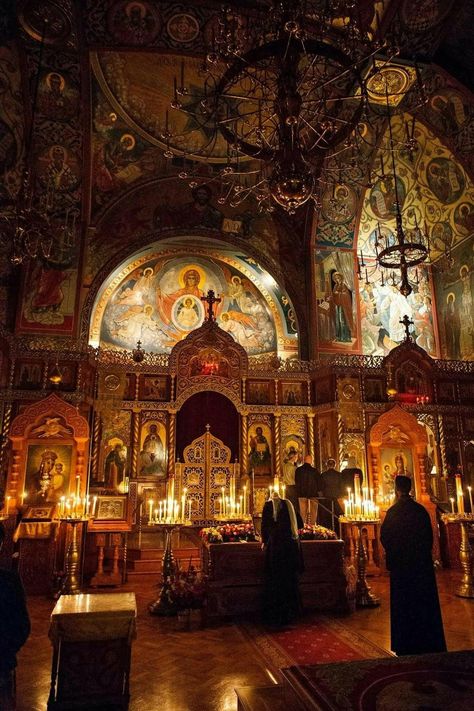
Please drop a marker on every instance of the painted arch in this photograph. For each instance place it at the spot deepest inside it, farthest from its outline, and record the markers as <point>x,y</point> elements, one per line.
<point>155,297</point>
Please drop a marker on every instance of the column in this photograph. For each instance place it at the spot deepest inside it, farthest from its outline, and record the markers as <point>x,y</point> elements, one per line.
<point>311,447</point>
<point>244,452</point>
<point>277,445</point>
<point>171,443</point>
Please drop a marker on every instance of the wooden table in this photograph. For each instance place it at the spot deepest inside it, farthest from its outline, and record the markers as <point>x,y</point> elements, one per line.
<point>92,638</point>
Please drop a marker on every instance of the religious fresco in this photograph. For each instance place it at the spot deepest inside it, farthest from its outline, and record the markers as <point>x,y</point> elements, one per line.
<point>437,194</point>
<point>157,299</point>
<point>153,450</point>
<point>48,473</point>
<point>120,156</point>
<point>142,96</point>
<point>454,288</point>
<point>260,451</point>
<point>167,206</point>
<point>434,190</point>
<point>336,300</point>
<point>382,306</point>
<point>58,97</point>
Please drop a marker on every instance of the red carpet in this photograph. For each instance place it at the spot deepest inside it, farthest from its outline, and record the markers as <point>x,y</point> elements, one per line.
<point>320,641</point>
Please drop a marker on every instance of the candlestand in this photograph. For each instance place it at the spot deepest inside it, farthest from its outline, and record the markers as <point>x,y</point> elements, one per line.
<point>70,584</point>
<point>364,597</point>
<point>466,586</point>
<point>162,606</point>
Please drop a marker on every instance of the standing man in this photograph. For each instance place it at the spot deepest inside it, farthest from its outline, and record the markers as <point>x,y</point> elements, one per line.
<point>331,484</point>
<point>308,486</point>
<point>289,470</point>
<point>14,630</point>
<point>416,626</point>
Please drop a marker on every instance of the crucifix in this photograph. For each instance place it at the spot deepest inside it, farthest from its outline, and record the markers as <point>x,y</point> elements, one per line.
<point>210,300</point>
<point>406,323</point>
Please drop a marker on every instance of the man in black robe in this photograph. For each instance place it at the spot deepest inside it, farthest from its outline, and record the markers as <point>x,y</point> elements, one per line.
<point>415,617</point>
<point>282,561</point>
<point>14,630</point>
<point>308,486</point>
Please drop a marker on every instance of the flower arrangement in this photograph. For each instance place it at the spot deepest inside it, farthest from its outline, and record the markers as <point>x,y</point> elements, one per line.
<point>211,535</point>
<point>186,590</point>
<point>229,533</point>
<point>311,532</point>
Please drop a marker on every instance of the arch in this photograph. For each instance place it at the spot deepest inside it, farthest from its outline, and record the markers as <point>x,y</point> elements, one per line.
<point>154,296</point>
<point>208,407</point>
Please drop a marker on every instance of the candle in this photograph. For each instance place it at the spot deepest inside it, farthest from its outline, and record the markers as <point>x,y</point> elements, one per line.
<point>283,490</point>
<point>459,494</point>
<point>469,488</point>
<point>245,500</point>
<point>452,504</point>
<point>94,506</point>
<point>150,515</point>
<point>8,504</point>
<point>156,515</point>
<point>346,507</point>
<point>23,497</point>
<point>160,511</point>
<point>78,486</point>
<point>356,486</point>
<point>190,503</point>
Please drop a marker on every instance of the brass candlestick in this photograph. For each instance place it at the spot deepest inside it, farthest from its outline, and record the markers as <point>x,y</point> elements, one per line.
<point>162,606</point>
<point>466,586</point>
<point>364,597</point>
<point>70,584</point>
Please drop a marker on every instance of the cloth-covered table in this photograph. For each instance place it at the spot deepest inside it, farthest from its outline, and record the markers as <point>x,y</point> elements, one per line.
<point>92,637</point>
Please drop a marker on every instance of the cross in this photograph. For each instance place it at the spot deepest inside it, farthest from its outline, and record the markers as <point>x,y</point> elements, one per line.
<point>211,299</point>
<point>406,323</point>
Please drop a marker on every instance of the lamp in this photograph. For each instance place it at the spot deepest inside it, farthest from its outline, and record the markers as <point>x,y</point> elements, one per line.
<point>55,376</point>
<point>286,88</point>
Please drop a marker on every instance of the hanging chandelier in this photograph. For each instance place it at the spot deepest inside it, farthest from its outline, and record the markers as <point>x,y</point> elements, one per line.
<point>286,87</point>
<point>405,249</point>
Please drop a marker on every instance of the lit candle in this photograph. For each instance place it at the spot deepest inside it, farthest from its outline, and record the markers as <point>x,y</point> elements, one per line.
<point>245,500</point>
<point>23,497</point>
<point>356,486</point>
<point>156,515</point>
<point>459,494</point>
<point>469,488</point>
<point>452,504</point>
<point>78,486</point>
<point>94,506</point>
<point>346,507</point>
<point>160,511</point>
<point>8,504</point>
<point>283,490</point>
<point>190,503</point>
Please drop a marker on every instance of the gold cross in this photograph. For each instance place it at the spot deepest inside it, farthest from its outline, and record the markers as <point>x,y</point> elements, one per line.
<point>211,299</point>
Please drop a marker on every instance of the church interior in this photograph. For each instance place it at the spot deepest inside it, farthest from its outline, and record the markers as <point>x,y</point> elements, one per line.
<point>233,237</point>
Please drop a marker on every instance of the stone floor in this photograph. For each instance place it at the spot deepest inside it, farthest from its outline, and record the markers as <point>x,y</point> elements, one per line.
<point>198,670</point>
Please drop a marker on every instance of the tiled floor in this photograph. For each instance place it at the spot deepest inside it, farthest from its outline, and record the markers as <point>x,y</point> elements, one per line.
<point>198,670</point>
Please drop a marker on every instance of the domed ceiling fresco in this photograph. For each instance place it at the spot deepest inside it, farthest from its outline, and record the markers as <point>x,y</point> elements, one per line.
<point>155,297</point>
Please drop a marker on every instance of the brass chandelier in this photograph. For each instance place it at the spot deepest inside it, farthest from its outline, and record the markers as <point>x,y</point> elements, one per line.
<point>286,87</point>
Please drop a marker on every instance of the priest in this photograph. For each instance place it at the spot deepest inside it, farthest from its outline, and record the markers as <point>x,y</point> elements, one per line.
<point>415,617</point>
<point>283,561</point>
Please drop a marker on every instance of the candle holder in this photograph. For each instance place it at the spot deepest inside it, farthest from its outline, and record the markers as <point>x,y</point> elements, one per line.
<point>70,584</point>
<point>162,606</point>
<point>364,597</point>
<point>466,586</point>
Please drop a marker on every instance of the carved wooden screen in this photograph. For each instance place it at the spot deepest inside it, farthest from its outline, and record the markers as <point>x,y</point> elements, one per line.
<point>205,470</point>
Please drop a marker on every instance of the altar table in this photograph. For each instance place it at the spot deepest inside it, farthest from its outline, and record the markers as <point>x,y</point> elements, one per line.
<point>92,637</point>
<point>236,577</point>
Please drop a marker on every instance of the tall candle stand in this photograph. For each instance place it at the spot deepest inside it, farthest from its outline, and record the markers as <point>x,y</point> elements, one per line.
<point>364,596</point>
<point>70,584</point>
<point>161,606</point>
<point>466,586</point>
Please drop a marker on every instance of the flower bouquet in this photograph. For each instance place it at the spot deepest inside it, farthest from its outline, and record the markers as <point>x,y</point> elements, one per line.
<point>313,532</point>
<point>186,590</point>
<point>211,535</point>
<point>229,533</point>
